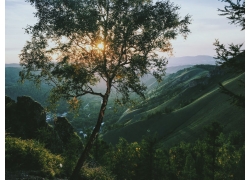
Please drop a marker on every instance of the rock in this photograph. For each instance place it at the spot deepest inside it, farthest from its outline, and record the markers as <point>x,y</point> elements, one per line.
<point>10,116</point>
<point>63,128</point>
<point>31,111</point>
<point>31,114</point>
<point>27,119</point>
<point>71,141</point>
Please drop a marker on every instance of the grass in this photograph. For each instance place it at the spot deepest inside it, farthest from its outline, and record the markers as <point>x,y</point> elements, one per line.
<point>187,122</point>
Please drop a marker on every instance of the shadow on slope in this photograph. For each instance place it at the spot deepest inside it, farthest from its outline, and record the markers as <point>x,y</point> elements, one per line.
<point>186,124</point>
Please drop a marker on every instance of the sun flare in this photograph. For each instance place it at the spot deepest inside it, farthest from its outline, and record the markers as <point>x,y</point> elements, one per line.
<point>100,46</point>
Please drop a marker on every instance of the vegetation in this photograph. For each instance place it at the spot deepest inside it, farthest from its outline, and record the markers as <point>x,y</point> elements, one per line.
<point>183,128</point>
<point>214,156</point>
<point>235,12</point>
<point>195,100</point>
<point>233,58</point>
<point>30,155</point>
<point>113,41</point>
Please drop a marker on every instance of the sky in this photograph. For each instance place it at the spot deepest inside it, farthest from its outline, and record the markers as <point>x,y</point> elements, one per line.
<point>206,26</point>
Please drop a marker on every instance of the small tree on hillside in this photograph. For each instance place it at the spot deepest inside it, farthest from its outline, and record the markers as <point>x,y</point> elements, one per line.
<point>233,58</point>
<point>77,43</point>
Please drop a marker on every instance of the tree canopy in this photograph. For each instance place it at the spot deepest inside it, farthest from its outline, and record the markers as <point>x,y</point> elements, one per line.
<point>76,43</point>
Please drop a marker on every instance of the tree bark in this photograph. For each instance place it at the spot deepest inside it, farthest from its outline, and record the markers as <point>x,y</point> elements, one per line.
<point>92,138</point>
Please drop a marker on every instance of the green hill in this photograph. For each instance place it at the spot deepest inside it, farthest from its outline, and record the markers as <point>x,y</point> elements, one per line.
<point>177,108</point>
<point>181,106</point>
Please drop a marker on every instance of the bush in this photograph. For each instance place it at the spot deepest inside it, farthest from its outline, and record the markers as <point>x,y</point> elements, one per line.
<point>32,156</point>
<point>97,173</point>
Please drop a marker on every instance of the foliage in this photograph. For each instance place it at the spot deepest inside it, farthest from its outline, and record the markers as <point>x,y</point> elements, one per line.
<point>72,149</point>
<point>49,137</point>
<point>31,155</point>
<point>128,39</point>
<point>215,156</point>
<point>189,171</point>
<point>232,58</point>
<point>235,99</point>
<point>98,173</point>
<point>123,159</point>
<point>235,12</point>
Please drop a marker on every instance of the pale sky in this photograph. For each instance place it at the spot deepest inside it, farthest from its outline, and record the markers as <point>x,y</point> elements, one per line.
<point>206,26</point>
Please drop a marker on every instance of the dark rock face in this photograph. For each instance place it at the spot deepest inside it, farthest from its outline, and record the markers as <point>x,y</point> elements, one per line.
<point>63,128</point>
<point>71,141</point>
<point>31,110</point>
<point>11,124</point>
<point>31,114</point>
<point>26,118</point>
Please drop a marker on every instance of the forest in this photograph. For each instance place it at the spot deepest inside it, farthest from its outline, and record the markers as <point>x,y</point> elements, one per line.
<point>108,107</point>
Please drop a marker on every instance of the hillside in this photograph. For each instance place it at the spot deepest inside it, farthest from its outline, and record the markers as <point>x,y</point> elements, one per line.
<point>90,106</point>
<point>181,106</point>
<point>177,108</point>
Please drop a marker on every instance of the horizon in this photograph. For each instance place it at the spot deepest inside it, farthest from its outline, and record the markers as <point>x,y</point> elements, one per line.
<point>168,58</point>
<point>172,61</point>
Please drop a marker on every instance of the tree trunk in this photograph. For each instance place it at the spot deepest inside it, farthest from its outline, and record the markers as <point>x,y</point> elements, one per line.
<point>92,138</point>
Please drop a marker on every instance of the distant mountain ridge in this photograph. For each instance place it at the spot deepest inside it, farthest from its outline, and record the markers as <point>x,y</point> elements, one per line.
<point>191,60</point>
<point>12,65</point>
<point>173,61</point>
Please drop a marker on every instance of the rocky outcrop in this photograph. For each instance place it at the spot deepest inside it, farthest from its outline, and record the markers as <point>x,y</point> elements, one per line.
<point>23,117</point>
<point>71,141</point>
<point>10,115</point>
<point>26,119</point>
<point>31,114</point>
<point>63,128</point>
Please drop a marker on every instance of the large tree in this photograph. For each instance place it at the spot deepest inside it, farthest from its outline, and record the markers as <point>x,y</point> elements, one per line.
<point>77,43</point>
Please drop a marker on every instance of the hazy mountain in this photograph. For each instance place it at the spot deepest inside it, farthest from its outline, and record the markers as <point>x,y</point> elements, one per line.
<point>191,60</point>
<point>173,61</point>
<point>12,65</point>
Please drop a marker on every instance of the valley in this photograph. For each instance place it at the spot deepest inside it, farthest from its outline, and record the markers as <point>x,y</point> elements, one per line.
<point>176,109</point>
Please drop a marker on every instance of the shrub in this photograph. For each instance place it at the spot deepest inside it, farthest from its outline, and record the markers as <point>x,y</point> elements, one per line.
<point>32,156</point>
<point>97,173</point>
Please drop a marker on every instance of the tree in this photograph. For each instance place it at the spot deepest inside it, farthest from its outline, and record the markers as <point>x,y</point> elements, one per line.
<point>189,171</point>
<point>123,159</point>
<point>148,157</point>
<point>77,43</point>
<point>233,58</point>
<point>213,131</point>
<point>235,12</point>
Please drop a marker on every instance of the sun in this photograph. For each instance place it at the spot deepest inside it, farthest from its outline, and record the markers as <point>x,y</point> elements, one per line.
<point>100,46</point>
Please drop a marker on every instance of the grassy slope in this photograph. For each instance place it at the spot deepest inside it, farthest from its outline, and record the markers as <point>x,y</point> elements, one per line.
<point>186,123</point>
